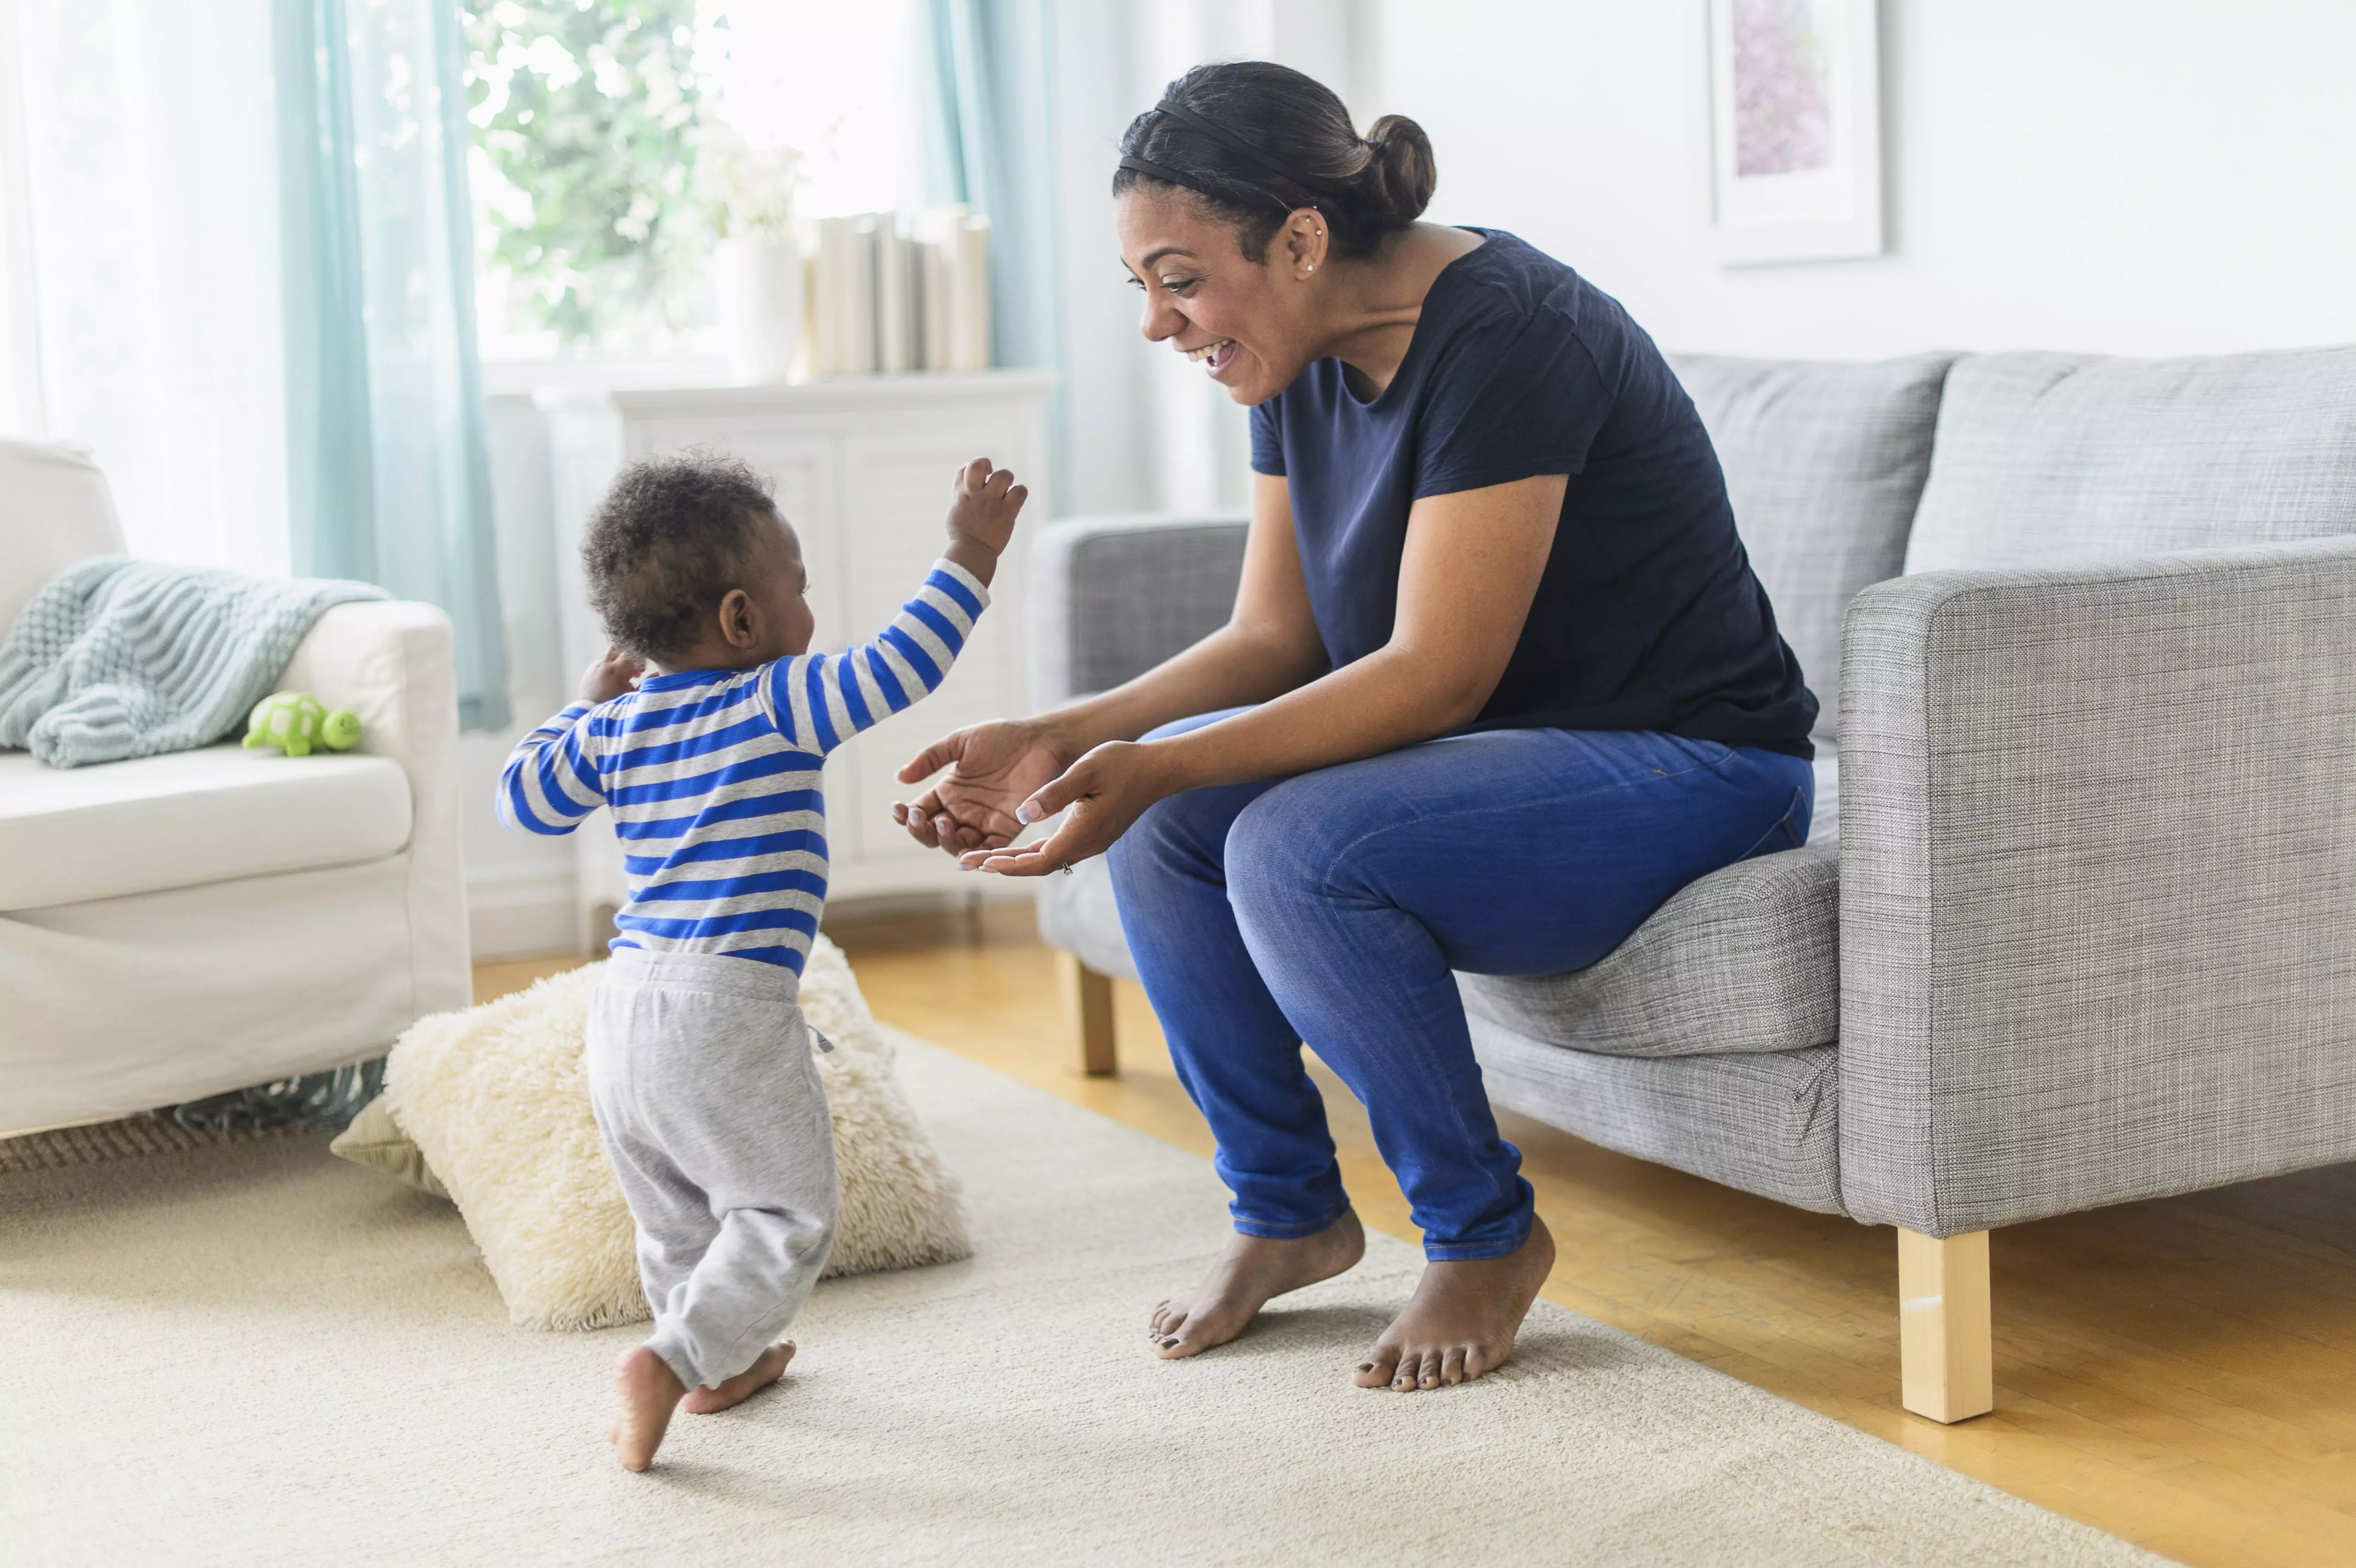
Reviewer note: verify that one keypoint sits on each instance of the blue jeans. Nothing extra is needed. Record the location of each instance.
(1329, 908)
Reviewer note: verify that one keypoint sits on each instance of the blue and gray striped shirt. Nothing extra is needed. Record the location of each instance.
(713, 777)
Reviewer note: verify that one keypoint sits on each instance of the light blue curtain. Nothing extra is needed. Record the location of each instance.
(990, 145)
(388, 467)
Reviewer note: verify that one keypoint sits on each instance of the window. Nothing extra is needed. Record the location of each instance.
(606, 132)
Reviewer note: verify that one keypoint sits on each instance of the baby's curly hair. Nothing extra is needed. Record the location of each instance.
(667, 544)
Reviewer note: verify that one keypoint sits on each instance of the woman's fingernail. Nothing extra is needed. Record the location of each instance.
(1026, 813)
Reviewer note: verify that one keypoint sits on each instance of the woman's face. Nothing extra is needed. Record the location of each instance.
(1246, 323)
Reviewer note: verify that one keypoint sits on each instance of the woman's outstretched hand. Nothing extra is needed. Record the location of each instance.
(1100, 795)
(993, 768)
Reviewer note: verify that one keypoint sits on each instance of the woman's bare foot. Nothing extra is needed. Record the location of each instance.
(650, 1390)
(1462, 1320)
(767, 1369)
(1254, 1269)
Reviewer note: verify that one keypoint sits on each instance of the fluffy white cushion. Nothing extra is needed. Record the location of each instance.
(496, 1100)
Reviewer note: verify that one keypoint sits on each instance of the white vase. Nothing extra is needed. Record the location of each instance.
(759, 283)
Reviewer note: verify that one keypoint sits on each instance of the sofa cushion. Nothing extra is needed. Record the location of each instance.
(1746, 959)
(2060, 459)
(187, 818)
(1766, 1123)
(1824, 463)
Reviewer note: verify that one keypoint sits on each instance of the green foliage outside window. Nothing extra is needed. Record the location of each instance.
(587, 116)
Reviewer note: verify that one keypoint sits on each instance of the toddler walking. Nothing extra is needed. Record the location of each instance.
(697, 1058)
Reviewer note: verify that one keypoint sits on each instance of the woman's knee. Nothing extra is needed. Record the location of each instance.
(1293, 842)
(1178, 834)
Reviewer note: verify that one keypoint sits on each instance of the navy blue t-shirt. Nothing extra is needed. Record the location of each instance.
(1648, 615)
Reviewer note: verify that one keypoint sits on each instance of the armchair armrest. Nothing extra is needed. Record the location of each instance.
(2098, 883)
(1112, 596)
(392, 663)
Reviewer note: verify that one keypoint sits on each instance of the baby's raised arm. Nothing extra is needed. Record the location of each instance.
(981, 517)
(820, 701)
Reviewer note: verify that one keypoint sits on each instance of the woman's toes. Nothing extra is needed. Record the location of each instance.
(1451, 1368)
(1428, 1378)
(1404, 1378)
(1375, 1372)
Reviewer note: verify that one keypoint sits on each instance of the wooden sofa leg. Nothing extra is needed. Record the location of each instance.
(1087, 1003)
(1943, 1327)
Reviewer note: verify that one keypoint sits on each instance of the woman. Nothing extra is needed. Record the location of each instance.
(1499, 680)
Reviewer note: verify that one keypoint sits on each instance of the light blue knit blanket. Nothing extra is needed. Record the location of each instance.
(116, 659)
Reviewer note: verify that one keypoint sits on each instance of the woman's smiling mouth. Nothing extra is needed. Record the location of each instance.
(1213, 357)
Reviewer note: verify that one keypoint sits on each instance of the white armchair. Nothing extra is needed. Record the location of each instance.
(176, 926)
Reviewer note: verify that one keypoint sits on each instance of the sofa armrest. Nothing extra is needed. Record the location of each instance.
(2098, 883)
(1112, 596)
(392, 662)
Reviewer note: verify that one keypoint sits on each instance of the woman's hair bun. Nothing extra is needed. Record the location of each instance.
(1255, 140)
(1404, 172)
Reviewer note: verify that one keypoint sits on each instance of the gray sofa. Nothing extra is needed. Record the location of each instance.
(2077, 921)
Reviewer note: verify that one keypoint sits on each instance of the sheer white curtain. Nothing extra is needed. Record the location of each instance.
(148, 210)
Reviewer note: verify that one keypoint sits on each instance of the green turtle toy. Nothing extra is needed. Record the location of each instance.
(294, 722)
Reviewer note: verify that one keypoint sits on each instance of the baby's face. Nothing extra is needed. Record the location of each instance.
(779, 584)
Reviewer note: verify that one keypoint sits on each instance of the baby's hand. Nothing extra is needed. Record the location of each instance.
(982, 512)
(610, 674)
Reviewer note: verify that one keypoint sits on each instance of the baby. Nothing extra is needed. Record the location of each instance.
(697, 1058)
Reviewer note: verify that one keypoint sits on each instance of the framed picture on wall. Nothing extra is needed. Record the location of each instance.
(1796, 130)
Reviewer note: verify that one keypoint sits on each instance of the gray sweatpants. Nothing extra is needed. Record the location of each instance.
(710, 1104)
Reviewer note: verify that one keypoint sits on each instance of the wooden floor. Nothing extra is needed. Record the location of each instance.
(2181, 1374)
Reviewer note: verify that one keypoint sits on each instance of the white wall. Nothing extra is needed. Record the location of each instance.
(2139, 177)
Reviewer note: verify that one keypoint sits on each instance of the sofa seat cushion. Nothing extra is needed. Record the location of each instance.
(1767, 1123)
(1746, 959)
(189, 818)
(2047, 460)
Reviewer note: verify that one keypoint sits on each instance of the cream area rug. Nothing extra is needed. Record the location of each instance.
(256, 1354)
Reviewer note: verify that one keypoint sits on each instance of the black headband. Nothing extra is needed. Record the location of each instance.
(1221, 134)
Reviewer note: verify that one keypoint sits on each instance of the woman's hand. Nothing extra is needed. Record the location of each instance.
(994, 767)
(1101, 795)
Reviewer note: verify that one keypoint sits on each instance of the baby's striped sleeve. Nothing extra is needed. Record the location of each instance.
(550, 784)
(818, 701)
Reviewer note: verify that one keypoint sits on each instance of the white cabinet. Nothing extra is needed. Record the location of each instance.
(862, 468)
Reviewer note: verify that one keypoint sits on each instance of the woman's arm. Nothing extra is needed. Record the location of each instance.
(1469, 570)
(1270, 646)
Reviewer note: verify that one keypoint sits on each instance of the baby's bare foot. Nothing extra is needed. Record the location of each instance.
(650, 1390)
(764, 1372)
(1254, 1269)
(1462, 1320)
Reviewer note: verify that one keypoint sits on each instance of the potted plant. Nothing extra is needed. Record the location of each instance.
(748, 193)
